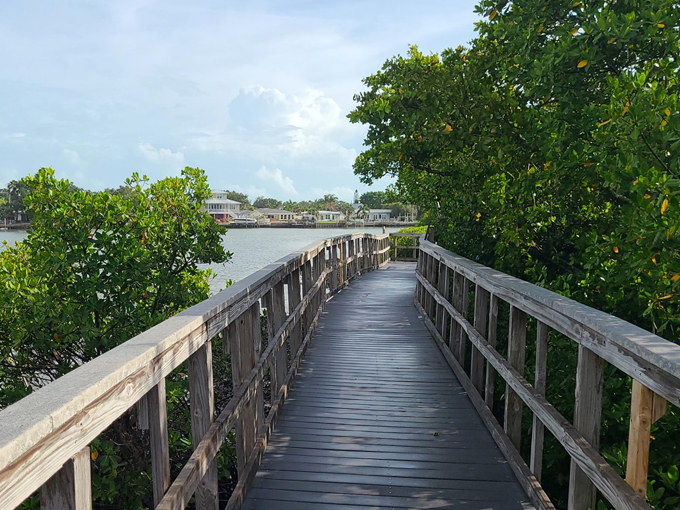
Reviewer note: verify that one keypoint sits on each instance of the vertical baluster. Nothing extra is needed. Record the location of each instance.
(480, 322)
(538, 430)
(158, 435)
(71, 487)
(491, 339)
(587, 420)
(306, 286)
(294, 298)
(443, 288)
(646, 407)
(202, 412)
(516, 356)
(276, 316)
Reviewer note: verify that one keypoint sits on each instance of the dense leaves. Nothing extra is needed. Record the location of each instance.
(549, 149)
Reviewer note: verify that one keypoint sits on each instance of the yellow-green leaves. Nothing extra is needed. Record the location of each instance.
(582, 64)
(493, 15)
(664, 205)
(604, 123)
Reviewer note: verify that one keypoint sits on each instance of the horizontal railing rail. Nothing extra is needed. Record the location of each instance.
(442, 296)
(411, 247)
(45, 437)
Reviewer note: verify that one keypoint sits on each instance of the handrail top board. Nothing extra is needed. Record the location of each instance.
(659, 352)
(26, 422)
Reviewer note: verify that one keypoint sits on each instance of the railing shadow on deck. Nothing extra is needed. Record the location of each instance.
(442, 297)
(45, 437)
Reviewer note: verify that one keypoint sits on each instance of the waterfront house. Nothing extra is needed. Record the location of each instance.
(330, 216)
(379, 214)
(220, 207)
(277, 214)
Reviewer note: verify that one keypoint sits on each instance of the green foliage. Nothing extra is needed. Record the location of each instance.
(239, 197)
(269, 203)
(95, 270)
(549, 149)
(374, 199)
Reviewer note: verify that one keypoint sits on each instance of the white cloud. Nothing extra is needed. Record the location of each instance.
(160, 155)
(284, 183)
(71, 156)
(342, 192)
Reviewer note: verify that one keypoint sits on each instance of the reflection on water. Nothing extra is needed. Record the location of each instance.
(253, 248)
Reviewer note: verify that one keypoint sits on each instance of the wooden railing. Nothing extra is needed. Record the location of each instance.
(442, 297)
(45, 437)
(410, 250)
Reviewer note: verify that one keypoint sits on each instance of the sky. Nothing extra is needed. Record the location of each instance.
(255, 93)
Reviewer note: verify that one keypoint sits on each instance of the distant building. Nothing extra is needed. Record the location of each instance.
(379, 214)
(329, 215)
(277, 214)
(220, 207)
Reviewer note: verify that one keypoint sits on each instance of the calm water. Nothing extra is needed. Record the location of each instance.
(252, 248)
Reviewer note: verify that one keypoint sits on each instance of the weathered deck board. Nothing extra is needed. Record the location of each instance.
(376, 418)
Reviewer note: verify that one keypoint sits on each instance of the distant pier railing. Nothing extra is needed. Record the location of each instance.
(404, 246)
(45, 437)
(469, 345)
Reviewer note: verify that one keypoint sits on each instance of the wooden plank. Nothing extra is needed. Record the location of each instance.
(538, 431)
(489, 386)
(516, 354)
(480, 321)
(529, 483)
(654, 361)
(158, 434)
(71, 487)
(587, 420)
(202, 409)
(143, 414)
(457, 302)
(276, 316)
(294, 297)
(637, 464)
(608, 482)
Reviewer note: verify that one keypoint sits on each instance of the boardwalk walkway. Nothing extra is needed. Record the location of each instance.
(376, 419)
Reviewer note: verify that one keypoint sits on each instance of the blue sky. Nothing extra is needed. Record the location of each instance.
(255, 93)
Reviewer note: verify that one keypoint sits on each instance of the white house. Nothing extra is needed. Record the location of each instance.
(220, 207)
(329, 215)
(277, 214)
(379, 214)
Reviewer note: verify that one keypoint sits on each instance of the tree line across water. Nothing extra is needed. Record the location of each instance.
(548, 149)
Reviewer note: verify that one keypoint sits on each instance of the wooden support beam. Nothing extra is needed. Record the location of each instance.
(489, 384)
(294, 297)
(480, 323)
(276, 316)
(645, 408)
(202, 399)
(587, 420)
(158, 433)
(516, 355)
(538, 430)
(71, 487)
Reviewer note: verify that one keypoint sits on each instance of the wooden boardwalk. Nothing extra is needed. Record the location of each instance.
(376, 418)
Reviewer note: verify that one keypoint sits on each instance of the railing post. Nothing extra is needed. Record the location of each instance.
(276, 316)
(158, 435)
(443, 288)
(491, 339)
(645, 408)
(516, 356)
(202, 411)
(587, 420)
(480, 322)
(460, 303)
(245, 352)
(306, 286)
(294, 299)
(393, 241)
(538, 430)
(71, 487)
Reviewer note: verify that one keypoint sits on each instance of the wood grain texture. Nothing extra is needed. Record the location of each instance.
(375, 406)
(516, 356)
(276, 316)
(71, 487)
(608, 482)
(538, 431)
(202, 402)
(489, 383)
(652, 360)
(158, 437)
(481, 318)
(637, 465)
